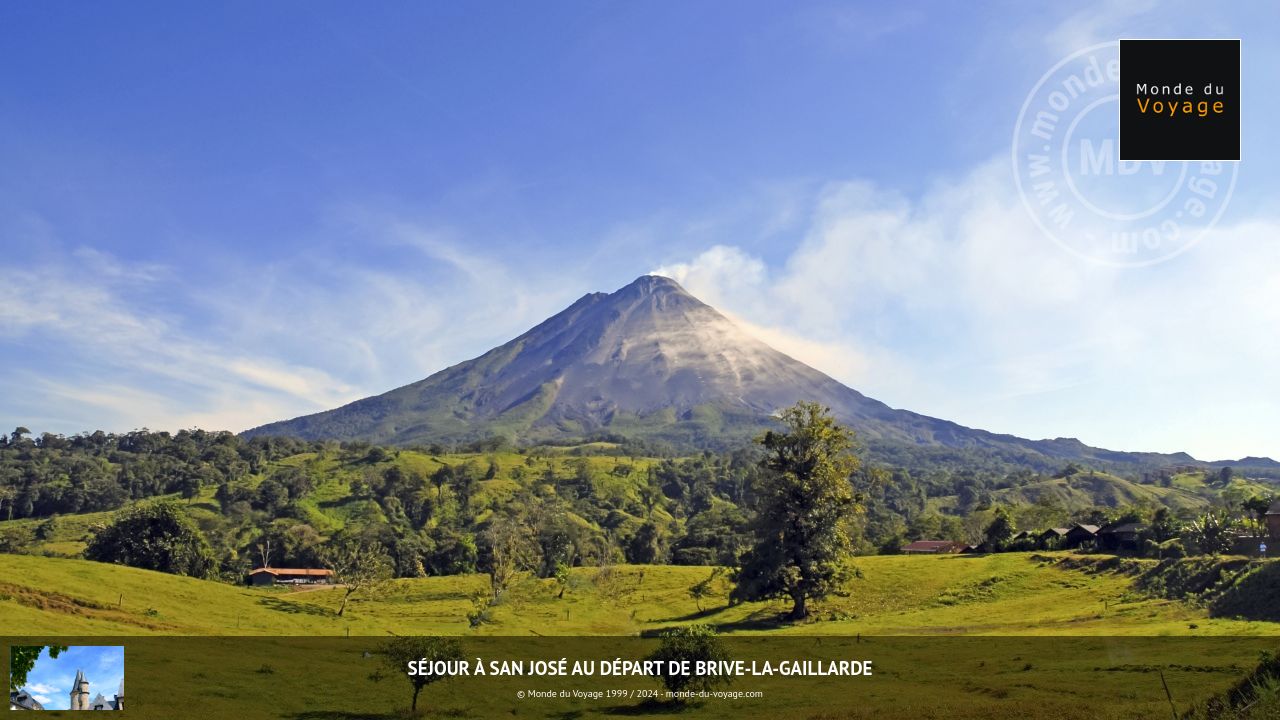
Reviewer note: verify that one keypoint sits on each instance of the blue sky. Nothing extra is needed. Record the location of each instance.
(49, 682)
(227, 215)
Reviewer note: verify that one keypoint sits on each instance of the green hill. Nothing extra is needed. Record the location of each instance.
(1084, 489)
(600, 497)
(334, 500)
(1087, 489)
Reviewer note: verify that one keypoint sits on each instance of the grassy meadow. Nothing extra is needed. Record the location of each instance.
(1004, 594)
(1046, 633)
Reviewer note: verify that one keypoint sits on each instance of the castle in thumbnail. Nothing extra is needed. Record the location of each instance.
(80, 696)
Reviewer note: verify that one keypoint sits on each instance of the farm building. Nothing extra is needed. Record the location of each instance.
(290, 576)
(1273, 520)
(1123, 536)
(1079, 535)
(934, 547)
(1052, 538)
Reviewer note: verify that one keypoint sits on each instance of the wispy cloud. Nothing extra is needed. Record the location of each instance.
(956, 305)
(120, 345)
(120, 351)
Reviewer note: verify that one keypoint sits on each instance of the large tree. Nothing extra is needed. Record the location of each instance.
(154, 536)
(999, 532)
(400, 651)
(360, 566)
(509, 548)
(805, 502)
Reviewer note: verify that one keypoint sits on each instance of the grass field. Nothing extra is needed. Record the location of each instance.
(1073, 634)
(1006, 594)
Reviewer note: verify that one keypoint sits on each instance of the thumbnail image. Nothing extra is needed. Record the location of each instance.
(59, 677)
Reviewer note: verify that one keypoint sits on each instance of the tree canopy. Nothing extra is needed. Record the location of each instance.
(400, 651)
(24, 658)
(360, 565)
(153, 536)
(806, 501)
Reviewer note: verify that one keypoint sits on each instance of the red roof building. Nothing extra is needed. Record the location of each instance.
(290, 576)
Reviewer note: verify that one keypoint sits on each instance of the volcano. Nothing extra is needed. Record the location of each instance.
(649, 361)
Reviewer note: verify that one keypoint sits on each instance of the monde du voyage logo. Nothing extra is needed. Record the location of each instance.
(1124, 152)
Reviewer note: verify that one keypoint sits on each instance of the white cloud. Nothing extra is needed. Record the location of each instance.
(111, 344)
(96, 312)
(730, 280)
(721, 268)
(956, 305)
(42, 688)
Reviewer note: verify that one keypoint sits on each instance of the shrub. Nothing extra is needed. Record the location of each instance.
(691, 643)
(1174, 548)
(153, 536)
(1211, 533)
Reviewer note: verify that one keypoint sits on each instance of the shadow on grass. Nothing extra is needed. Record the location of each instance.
(763, 622)
(294, 608)
(697, 615)
(767, 622)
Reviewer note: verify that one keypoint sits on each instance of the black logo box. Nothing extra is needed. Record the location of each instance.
(1155, 74)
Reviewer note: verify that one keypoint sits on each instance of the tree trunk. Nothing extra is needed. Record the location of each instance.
(413, 707)
(800, 610)
(343, 607)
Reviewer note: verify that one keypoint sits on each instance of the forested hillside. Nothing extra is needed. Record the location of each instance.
(441, 511)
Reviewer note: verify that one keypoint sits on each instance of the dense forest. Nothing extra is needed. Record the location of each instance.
(439, 510)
